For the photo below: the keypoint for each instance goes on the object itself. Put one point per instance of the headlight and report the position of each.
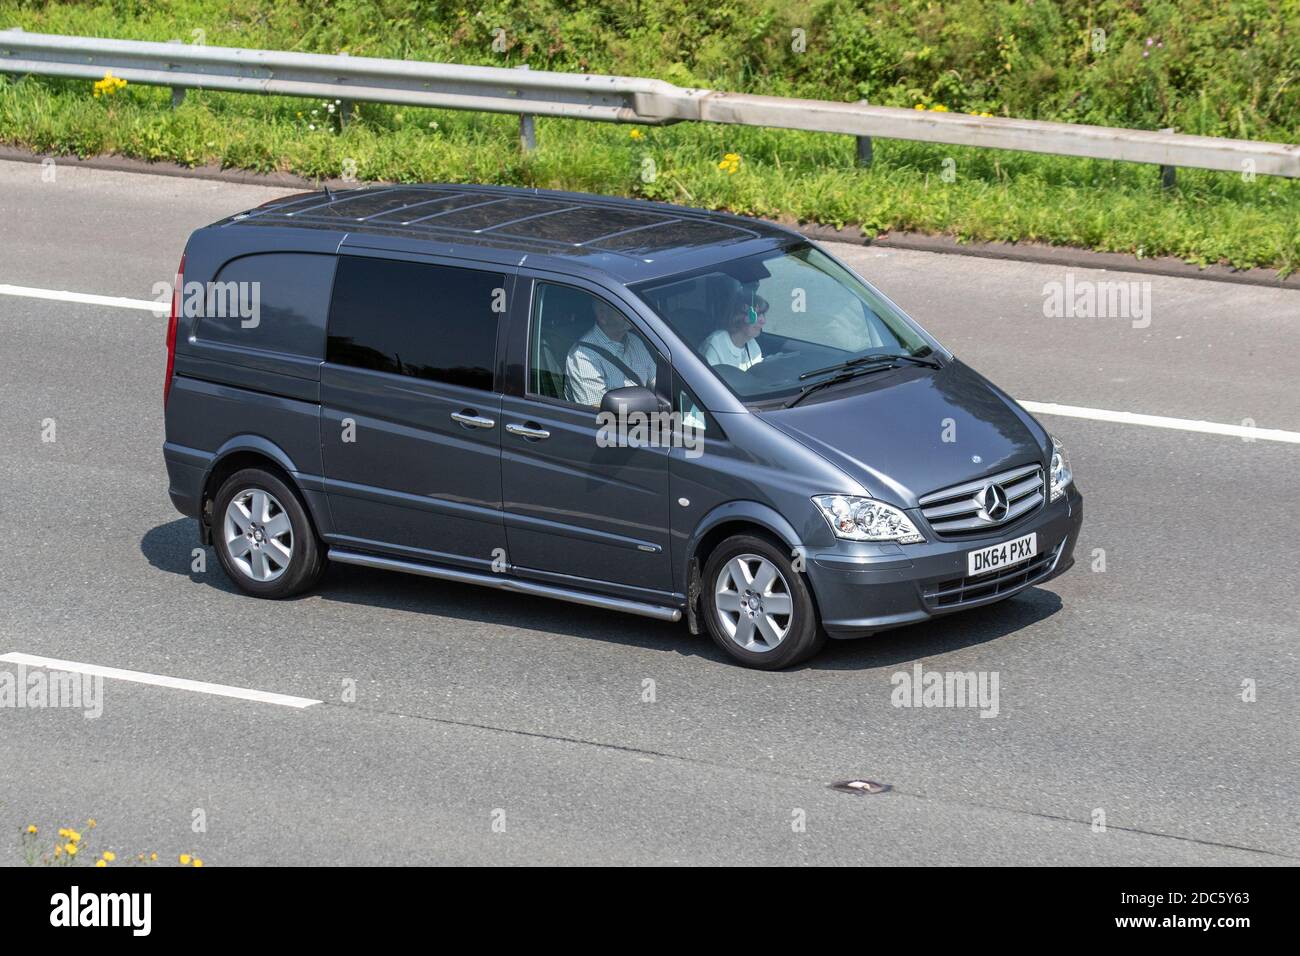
(1060, 470)
(865, 519)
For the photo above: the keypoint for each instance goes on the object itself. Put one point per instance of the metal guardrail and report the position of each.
(617, 99)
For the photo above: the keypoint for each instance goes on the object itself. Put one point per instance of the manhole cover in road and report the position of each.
(860, 786)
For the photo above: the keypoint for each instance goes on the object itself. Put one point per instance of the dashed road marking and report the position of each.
(86, 298)
(159, 680)
(1249, 432)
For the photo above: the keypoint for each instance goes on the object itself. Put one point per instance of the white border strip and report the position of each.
(1247, 432)
(157, 680)
(113, 301)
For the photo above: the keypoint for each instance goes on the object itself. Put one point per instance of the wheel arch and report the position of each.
(736, 517)
(250, 451)
(724, 521)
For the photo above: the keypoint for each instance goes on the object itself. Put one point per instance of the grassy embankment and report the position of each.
(1227, 69)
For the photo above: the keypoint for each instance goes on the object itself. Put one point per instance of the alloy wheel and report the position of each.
(753, 602)
(258, 535)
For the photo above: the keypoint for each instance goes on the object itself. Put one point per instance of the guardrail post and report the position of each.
(527, 125)
(1168, 174)
(178, 92)
(864, 146)
(345, 106)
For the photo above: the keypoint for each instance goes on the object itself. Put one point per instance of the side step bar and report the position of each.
(505, 583)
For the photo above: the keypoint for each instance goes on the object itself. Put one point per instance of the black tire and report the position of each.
(803, 635)
(306, 561)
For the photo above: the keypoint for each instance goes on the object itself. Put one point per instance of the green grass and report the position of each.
(1209, 217)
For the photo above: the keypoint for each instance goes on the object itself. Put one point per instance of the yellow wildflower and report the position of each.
(109, 85)
(100, 863)
(197, 861)
(110, 856)
(635, 134)
(185, 859)
(71, 849)
(31, 828)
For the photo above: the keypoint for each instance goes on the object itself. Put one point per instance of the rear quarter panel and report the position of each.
(227, 396)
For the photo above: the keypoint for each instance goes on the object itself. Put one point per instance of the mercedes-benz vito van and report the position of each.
(628, 405)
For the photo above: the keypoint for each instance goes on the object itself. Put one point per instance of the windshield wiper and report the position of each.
(868, 359)
(853, 371)
(853, 368)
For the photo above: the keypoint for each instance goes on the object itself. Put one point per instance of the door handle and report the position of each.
(536, 434)
(470, 420)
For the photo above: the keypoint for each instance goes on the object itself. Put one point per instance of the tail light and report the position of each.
(171, 329)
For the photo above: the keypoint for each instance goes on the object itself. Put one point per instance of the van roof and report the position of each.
(627, 238)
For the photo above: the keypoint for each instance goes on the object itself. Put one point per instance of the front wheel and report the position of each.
(757, 607)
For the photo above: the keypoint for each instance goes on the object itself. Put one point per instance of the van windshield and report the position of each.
(770, 325)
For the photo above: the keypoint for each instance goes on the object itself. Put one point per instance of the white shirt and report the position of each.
(719, 349)
(589, 375)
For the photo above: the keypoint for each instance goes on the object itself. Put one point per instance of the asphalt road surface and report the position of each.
(495, 728)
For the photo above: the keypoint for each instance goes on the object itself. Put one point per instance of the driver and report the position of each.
(735, 343)
(592, 368)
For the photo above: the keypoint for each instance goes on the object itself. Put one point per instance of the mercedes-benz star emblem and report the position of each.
(993, 502)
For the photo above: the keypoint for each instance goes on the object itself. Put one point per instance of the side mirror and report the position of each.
(630, 399)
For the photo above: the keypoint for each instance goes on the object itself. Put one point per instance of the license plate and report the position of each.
(998, 556)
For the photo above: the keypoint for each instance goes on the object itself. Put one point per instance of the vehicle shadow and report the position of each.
(169, 547)
(916, 642)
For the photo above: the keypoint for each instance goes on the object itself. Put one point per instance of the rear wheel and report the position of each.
(263, 537)
(757, 607)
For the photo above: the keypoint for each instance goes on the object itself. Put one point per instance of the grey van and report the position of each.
(629, 405)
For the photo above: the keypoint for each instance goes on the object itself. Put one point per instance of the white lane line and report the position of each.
(1158, 421)
(158, 680)
(113, 301)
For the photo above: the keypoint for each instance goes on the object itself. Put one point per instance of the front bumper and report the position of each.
(863, 589)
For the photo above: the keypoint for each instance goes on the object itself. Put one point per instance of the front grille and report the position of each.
(959, 591)
(960, 511)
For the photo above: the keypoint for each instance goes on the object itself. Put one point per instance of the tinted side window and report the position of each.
(276, 301)
(410, 318)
